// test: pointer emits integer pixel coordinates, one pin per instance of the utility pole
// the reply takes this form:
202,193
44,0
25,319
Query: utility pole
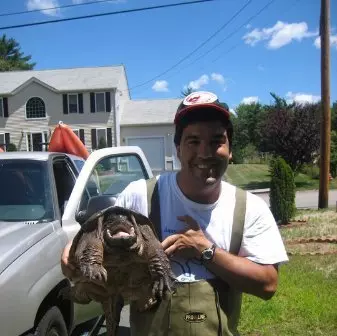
323,201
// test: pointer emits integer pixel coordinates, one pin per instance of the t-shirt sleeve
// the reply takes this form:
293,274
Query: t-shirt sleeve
262,241
134,197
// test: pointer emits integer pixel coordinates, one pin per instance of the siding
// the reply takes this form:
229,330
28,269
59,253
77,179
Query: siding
16,124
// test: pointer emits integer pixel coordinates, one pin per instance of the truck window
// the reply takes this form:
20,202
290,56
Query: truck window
64,180
25,191
113,174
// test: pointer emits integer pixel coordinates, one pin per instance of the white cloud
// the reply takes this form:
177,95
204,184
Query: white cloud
160,86
43,4
279,35
333,41
198,83
250,100
302,98
218,78
231,110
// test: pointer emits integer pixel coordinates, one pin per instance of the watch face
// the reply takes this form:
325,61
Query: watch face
208,254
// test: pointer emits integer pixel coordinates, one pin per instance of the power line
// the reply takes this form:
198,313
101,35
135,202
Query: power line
235,31
105,14
52,8
196,49
226,38
251,18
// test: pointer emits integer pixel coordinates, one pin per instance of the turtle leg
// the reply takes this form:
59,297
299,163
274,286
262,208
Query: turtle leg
89,257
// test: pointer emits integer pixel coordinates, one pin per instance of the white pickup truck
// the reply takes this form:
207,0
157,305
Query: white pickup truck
43,198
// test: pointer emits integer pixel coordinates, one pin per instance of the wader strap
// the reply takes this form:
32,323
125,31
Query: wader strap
153,205
238,221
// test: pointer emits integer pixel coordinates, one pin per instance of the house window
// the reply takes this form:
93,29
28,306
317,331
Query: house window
2,141
35,108
101,137
1,108
100,101
77,132
37,141
73,103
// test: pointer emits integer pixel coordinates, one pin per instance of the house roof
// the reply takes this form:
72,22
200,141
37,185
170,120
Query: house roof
147,112
73,79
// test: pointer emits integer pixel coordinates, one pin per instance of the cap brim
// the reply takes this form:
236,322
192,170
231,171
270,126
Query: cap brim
187,109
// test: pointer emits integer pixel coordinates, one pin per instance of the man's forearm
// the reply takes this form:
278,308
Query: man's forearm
243,274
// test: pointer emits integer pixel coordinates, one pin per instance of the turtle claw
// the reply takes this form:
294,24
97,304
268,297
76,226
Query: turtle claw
94,272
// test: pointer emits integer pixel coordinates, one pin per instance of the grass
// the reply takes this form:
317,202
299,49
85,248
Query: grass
306,300
256,176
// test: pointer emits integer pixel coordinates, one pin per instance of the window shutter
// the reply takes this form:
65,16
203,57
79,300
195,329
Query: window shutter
80,103
93,139
109,136
82,138
92,102
7,139
65,104
107,102
5,106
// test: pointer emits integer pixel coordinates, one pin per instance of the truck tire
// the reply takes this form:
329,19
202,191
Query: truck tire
52,324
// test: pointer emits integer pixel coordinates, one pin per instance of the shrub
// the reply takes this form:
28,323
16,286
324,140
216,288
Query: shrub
282,191
11,148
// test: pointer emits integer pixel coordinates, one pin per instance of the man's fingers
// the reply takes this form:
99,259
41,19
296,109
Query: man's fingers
170,250
67,268
170,240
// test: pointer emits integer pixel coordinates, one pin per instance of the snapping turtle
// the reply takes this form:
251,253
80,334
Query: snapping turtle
117,249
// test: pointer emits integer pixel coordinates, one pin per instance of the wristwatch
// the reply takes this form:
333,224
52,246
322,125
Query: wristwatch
208,253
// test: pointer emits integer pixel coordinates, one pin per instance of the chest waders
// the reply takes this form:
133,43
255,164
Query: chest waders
202,308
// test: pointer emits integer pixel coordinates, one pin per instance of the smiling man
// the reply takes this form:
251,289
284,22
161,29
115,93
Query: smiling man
222,241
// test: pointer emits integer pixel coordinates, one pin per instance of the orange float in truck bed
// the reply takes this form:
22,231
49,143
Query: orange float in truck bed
65,140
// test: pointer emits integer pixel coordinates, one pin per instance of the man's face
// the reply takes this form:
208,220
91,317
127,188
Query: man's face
204,152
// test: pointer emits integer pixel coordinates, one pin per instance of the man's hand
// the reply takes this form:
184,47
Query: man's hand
68,269
188,243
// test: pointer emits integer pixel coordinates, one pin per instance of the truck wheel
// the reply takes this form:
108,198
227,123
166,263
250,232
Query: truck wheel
52,324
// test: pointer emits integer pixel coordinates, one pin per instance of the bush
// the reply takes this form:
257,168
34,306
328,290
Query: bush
282,191
11,148
311,170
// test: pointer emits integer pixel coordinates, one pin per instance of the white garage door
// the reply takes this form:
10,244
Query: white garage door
153,148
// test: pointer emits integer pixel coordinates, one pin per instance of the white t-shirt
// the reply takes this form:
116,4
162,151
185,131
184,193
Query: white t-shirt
262,242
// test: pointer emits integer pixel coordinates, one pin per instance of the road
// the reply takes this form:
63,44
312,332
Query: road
306,199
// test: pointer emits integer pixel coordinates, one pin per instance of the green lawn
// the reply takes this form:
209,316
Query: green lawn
256,176
305,303
306,300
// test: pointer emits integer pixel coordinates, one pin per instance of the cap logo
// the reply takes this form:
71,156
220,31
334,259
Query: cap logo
200,98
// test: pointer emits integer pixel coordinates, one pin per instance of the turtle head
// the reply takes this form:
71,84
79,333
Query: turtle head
118,231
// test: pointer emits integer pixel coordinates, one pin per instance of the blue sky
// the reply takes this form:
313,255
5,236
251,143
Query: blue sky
277,52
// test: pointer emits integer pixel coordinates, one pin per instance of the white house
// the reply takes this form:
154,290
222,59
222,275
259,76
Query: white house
95,102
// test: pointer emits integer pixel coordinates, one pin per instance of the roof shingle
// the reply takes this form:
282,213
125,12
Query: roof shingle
74,79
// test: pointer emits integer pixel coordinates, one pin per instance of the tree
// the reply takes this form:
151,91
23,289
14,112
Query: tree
282,191
292,132
187,91
247,129
11,57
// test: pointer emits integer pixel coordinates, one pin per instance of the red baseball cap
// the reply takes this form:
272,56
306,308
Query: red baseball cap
198,100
